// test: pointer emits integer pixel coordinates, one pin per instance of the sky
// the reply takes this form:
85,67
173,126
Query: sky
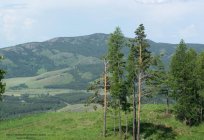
167,21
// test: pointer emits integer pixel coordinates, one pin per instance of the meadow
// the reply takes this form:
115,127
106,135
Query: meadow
86,125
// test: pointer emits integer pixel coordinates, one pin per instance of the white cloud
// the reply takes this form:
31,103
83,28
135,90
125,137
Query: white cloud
188,32
152,1
35,19
28,23
159,1
8,24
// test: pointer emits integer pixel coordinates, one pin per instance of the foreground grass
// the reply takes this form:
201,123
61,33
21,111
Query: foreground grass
88,126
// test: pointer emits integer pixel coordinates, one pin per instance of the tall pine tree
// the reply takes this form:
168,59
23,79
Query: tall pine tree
139,57
116,65
184,73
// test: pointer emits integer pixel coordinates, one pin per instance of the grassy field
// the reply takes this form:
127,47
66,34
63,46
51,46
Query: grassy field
40,81
76,77
88,126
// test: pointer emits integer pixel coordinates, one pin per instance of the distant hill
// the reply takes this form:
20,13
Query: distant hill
69,62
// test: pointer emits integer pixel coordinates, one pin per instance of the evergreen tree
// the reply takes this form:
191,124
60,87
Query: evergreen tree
184,72
132,79
161,79
200,81
140,56
125,103
116,66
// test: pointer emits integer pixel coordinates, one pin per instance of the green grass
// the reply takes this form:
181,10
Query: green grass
80,108
49,78
88,126
75,77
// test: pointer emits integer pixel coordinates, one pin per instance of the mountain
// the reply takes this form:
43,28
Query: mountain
64,62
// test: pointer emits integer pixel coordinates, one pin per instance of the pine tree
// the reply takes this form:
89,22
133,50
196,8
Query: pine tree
161,79
125,103
140,56
200,81
116,66
184,72
132,80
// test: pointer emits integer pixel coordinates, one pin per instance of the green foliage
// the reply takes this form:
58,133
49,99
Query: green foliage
131,68
140,40
2,85
41,71
186,70
116,65
115,61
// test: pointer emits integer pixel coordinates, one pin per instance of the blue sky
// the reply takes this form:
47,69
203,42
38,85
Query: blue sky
39,20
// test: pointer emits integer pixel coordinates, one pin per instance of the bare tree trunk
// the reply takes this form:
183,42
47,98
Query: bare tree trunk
139,91
104,125
139,106
134,113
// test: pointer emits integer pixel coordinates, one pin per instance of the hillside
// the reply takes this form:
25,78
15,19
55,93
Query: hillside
31,59
88,126
64,62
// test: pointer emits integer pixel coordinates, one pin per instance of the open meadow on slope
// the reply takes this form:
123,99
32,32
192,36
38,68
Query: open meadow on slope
88,126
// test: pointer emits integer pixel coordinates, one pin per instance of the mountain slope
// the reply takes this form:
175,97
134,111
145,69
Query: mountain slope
78,56
31,59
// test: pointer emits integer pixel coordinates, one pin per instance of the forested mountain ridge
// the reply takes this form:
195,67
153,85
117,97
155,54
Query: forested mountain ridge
34,58
76,58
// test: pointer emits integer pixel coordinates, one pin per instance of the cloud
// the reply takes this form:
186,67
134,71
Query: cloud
34,19
159,1
28,23
14,20
152,1
14,6
188,32
8,24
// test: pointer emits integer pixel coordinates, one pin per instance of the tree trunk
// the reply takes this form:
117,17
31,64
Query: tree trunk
119,117
201,111
104,125
139,106
167,103
114,120
105,102
134,113
126,130
139,91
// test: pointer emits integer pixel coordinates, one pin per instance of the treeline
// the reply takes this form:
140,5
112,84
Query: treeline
142,74
16,106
